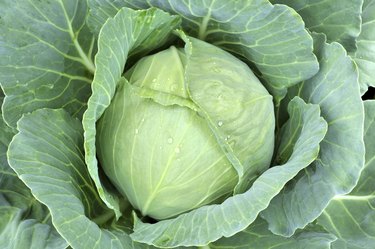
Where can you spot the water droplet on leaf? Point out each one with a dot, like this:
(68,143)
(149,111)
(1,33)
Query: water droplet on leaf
(173,87)
(216,69)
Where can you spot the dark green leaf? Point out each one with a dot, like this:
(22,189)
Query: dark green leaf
(352,217)
(339,20)
(341,158)
(46,51)
(257,236)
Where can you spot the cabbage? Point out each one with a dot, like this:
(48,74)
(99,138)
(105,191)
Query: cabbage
(183,132)
(134,124)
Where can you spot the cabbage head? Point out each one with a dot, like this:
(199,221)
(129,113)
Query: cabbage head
(183,131)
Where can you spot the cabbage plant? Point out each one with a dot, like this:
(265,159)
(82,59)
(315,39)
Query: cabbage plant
(187,124)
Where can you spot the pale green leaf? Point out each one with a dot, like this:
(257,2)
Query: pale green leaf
(156,173)
(46,52)
(129,32)
(229,95)
(209,223)
(352,217)
(336,171)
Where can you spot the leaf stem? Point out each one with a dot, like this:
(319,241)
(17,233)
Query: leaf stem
(91,48)
(204,247)
(103,218)
(86,61)
(203,27)
(45,220)
(355,197)
(202,33)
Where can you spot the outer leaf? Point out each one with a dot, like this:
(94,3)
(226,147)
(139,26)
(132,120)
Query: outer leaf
(352,217)
(290,132)
(340,20)
(24,222)
(127,33)
(47,155)
(101,10)
(13,192)
(6,135)
(7,215)
(209,223)
(18,233)
(271,37)
(258,236)
(45,51)
(336,171)
(365,54)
